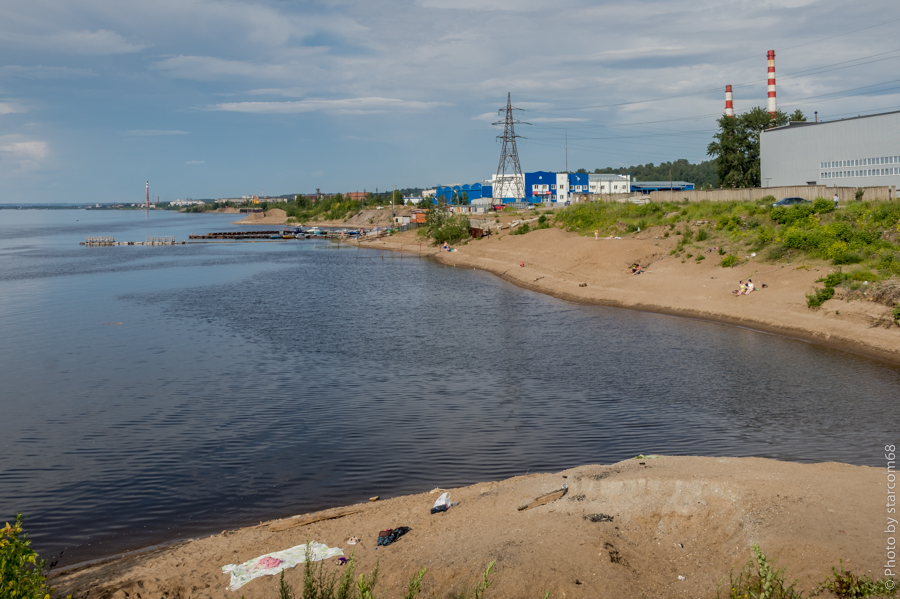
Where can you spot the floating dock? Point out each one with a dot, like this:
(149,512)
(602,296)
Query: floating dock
(243,235)
(110,241)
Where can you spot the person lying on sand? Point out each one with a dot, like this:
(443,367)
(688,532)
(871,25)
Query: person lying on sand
(636,269)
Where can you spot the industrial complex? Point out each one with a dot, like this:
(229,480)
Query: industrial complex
(856,152)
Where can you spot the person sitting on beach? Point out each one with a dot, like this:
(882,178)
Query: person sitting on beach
(750,287)
(636,269)
(741,290)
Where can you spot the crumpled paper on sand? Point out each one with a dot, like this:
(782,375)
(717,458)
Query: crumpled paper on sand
(273,563)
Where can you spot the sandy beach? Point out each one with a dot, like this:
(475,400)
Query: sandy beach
(596,271)
(642,528)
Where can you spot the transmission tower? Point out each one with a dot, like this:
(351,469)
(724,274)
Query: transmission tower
(509,156)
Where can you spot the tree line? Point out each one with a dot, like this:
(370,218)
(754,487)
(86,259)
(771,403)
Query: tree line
(701,175)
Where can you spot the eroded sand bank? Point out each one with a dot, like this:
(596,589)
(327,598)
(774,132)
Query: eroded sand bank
(622,530)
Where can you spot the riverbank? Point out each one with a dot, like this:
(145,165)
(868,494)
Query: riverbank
(642,528)
(596,271)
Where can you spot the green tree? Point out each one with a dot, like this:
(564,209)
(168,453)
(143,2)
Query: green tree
(21,570)
(727,148)
(798,116)
(702,174)
(736,146)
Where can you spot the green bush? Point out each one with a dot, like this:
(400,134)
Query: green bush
(822,205)
(520,230)
(702,234)
(896,313)
(819,297)
(847,585)
(729,261)
(758,580)
(848,258)
(788,215)
(21,570)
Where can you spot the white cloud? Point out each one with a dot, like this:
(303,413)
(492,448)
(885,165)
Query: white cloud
(155,132)
(25,154)
(42,72)
(99,42)
(10,108)
(210,68)
(559,119)
(510,5)
(344,106)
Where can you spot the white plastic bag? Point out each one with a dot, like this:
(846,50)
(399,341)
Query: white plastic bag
(444,500)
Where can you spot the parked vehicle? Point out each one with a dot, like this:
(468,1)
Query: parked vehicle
(790,202)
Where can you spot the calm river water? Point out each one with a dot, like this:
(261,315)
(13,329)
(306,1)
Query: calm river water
(257,380)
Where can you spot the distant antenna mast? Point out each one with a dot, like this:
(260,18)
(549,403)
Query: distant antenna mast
(509,155)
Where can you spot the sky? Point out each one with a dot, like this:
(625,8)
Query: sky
(212,99)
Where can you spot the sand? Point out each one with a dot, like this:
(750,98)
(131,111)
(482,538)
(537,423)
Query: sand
(365,219)
(626,530)
(276,216)
(596,271)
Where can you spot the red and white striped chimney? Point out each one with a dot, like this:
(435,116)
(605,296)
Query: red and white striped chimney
(729,102)
(772,108)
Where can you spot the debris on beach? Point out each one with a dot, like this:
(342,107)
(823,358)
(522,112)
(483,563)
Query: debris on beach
(274,563)
(545,499)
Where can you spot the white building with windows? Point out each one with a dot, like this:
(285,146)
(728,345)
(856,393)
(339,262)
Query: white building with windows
(863,151)
(603,184)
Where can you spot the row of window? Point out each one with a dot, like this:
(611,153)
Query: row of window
(561,187)
(870,172)
(861,162)
(539,187)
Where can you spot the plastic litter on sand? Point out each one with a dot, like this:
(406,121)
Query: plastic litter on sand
(273,563)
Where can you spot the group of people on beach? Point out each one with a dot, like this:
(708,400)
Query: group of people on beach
(745,288)
(636,269)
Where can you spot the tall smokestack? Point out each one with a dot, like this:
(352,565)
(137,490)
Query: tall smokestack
(729,102)
(772,108)
(147,198)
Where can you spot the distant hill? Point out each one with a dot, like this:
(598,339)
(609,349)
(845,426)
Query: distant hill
(703,174)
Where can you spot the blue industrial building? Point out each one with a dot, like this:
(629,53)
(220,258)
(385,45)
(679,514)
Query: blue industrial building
(646,187)
(547,187)
(453,194)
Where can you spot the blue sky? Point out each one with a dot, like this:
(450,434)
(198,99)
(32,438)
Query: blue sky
(216,99)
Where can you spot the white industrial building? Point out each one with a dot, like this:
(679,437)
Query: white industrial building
(863,151)
(603,184)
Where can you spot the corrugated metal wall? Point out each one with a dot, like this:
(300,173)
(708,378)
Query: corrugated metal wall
(794,155)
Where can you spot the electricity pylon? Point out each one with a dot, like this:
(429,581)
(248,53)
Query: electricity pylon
(509,155)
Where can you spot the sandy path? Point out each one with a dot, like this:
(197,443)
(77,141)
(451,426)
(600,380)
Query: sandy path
(671,516)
